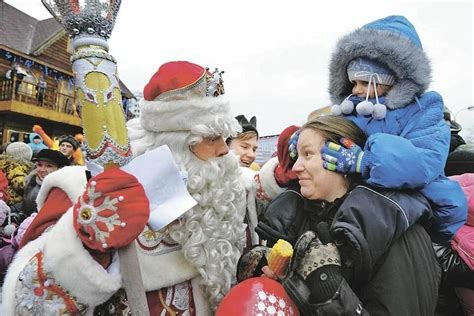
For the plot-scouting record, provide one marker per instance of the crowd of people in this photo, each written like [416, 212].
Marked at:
[361, 194]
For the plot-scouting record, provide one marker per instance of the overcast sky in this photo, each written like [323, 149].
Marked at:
[276, 53]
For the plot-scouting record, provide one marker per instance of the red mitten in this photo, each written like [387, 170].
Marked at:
[283, 173]
[112, 212]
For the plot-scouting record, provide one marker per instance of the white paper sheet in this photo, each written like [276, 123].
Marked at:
[163, 184]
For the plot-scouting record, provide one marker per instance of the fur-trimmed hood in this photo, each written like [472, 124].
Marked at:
[184, 114]
[391, 41]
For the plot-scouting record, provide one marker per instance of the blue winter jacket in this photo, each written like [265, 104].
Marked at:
[408, 149]
[36, 147]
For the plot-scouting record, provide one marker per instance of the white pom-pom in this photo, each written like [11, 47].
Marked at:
[336, 109]
[365, 108]
[8, 230]
[380, 110]
[347, 107]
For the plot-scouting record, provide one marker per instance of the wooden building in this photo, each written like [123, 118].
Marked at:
[41, 88]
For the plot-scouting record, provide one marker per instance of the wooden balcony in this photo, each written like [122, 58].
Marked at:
[22, 98]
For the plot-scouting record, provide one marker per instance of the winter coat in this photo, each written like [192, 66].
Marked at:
[456, 141]
[366, 224]
[52, 249]
[261, 187]
[15, 172]
[409, 147]
[28, 205]
[7, 251]
[36, 147]
[283, 218]
[406, 292]
[461, 160]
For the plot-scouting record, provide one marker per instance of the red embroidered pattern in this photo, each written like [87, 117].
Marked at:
[51, 287]
[261, 195]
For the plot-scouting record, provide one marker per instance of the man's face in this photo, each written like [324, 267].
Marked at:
[210, 147]
[66, 149]
[43, 168]
[245, 149]
[36, 140]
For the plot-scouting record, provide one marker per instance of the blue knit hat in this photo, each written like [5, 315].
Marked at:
[364, 69]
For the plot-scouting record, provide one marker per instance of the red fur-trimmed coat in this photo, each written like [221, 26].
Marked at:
[54, 273]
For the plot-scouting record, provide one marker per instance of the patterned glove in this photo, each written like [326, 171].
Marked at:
[319, 264]
[251, 262]
[341, 159]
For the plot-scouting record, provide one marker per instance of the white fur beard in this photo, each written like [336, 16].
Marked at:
[212, 233]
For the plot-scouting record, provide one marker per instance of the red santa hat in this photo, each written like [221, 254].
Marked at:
[181, 95]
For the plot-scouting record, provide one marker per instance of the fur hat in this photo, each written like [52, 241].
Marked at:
[20, 151]
[52, 156]
[364, 69]
[391, 41]
[69, 139]
[181, 95]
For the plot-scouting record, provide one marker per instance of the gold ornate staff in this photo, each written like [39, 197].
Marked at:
[89, 24]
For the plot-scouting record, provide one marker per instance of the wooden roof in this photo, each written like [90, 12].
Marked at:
[24, 33]
[30, 36]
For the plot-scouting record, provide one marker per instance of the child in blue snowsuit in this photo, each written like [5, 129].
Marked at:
[378, 78]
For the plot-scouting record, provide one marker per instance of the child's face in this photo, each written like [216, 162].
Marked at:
[360, 87]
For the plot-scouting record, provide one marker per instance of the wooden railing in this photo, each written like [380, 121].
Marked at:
[28, 93]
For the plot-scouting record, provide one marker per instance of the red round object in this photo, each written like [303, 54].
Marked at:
[259, 296]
